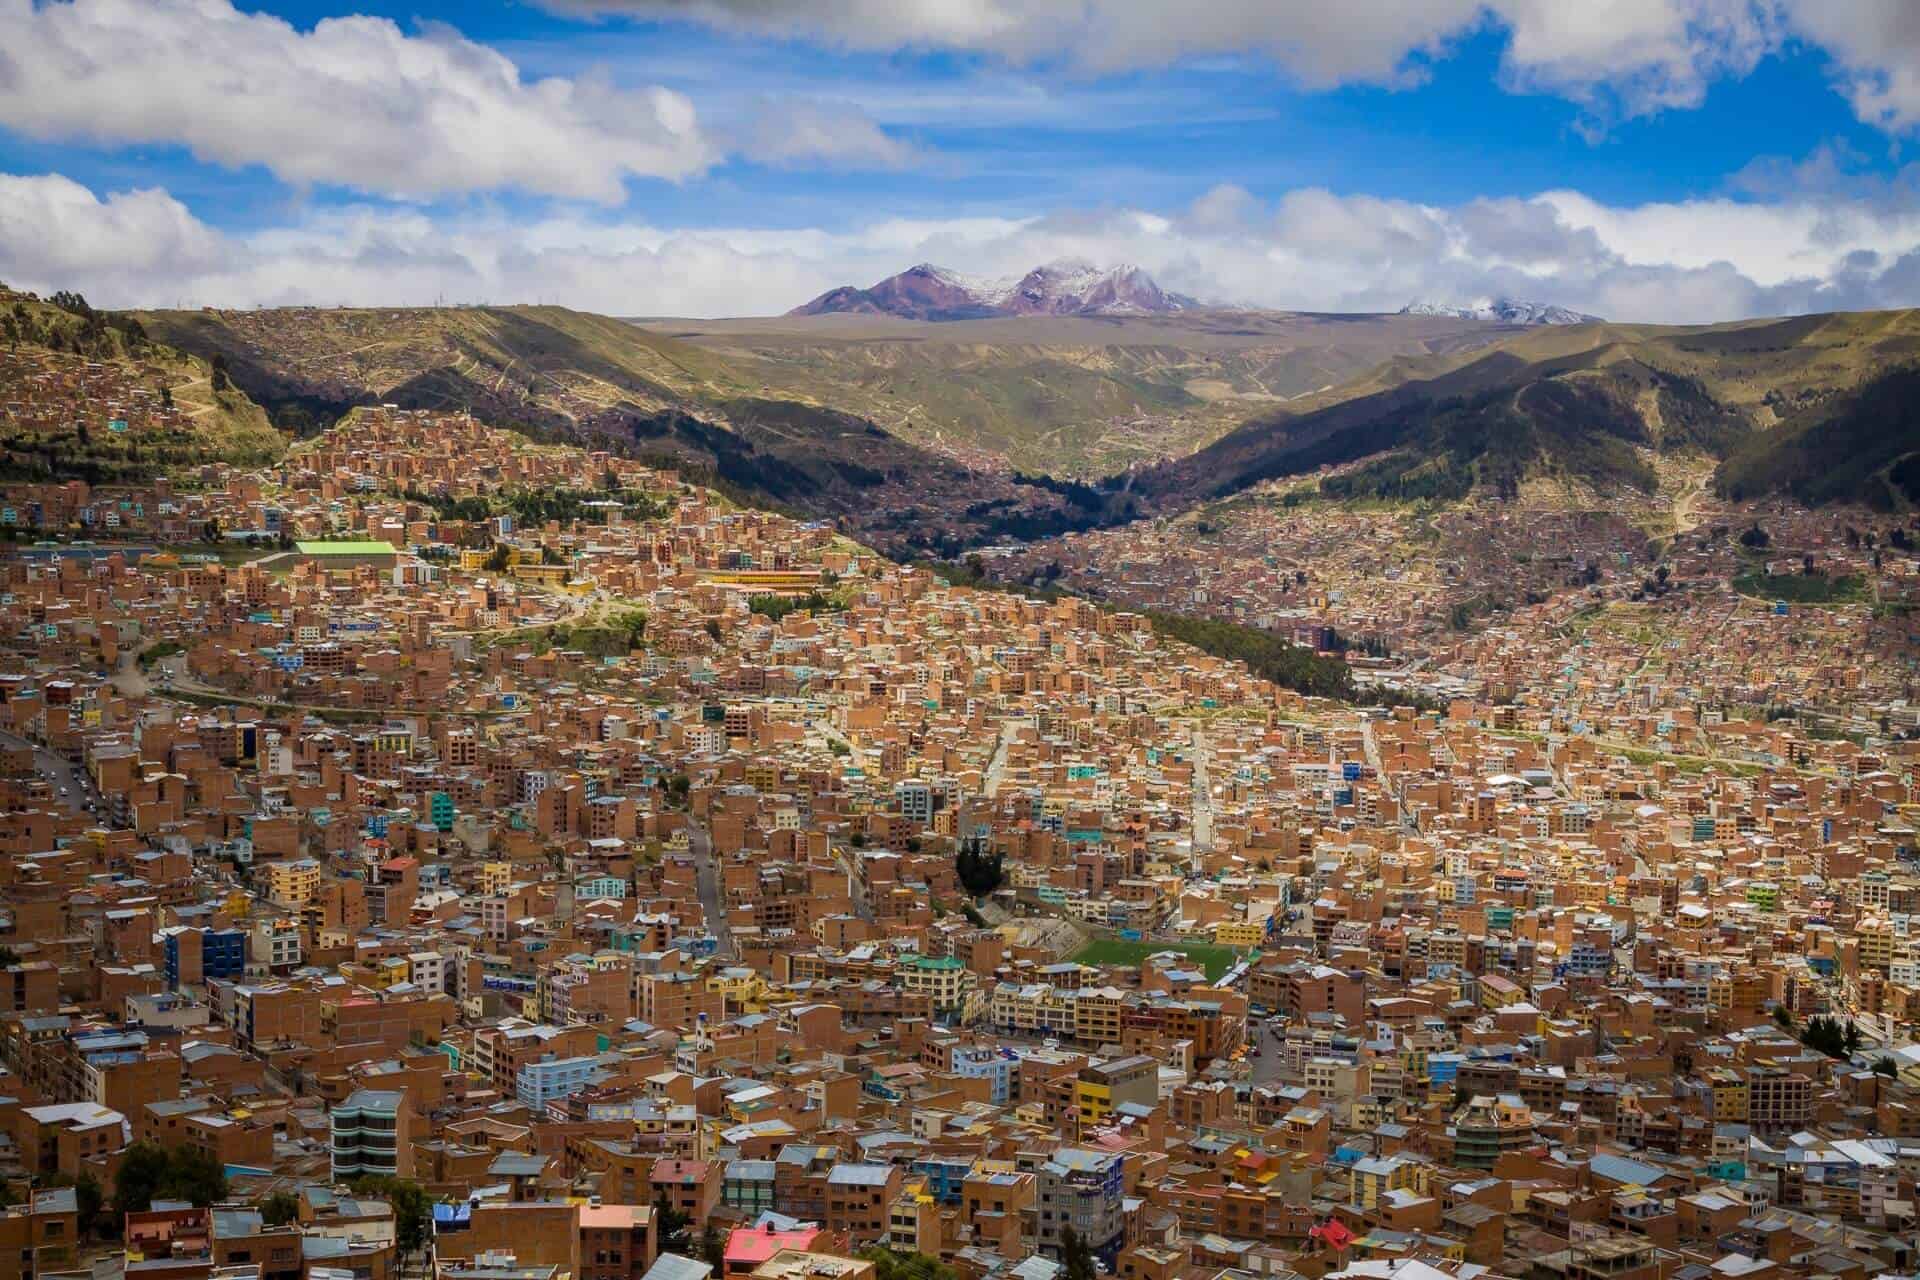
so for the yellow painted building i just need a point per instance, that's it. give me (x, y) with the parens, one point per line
(291, 884)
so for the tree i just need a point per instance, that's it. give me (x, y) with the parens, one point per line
(713, 628)
(8, 957)
(219, 377)
(90, 1200)
(713, 1247)
(978, 871)
(888, 1265)
(671, 1221)
(1830, 1037)
(1077, 1256)
(279, 1208)
(1756, 538)
(1884, 1065)
(412, 1209)
(149, 1172)
(499, 558)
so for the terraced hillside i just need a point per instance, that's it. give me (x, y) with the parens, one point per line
(87, 395)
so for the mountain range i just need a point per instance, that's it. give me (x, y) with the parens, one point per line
(901, 435)
(1502, 311)
(1069, 287)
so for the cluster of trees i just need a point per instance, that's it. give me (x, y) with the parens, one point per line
(978, 871)
(1852, 448)
(1396, 478)
(775, 607)
(1831, 1036)
(537, 506)
(676, 1227)
(150, 1172)
(1268, 656)
(888, 1265)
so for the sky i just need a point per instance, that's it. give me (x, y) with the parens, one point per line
(1645, 160)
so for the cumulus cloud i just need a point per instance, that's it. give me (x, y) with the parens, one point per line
(1615, 58)
(1692, 261)
(355, 101)
(1633, 57)
(803, 132)
(1875, 46)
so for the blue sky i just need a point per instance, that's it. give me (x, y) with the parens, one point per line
(1697, 158)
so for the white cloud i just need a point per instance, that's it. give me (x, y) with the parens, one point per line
(355, 101)
(1614, 58)
(1319, 43)
(1875, 46)
(53, 229)
(1633, 57)
(1311, 250)
(804, 132)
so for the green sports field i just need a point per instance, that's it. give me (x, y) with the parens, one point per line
(1215, 960)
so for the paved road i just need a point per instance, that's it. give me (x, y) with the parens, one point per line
(835, 736)
(997, 766)
(71, 785)
(861, 907)
(706, 875)
(1202, 794)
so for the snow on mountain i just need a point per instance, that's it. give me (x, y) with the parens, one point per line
(1501, 311)
(1069, 287)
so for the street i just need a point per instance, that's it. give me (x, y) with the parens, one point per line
(706, 874)
(1202, 794)
(997, 766)
(71, 785)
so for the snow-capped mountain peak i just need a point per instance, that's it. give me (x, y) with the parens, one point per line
(1068, 286)
(1501, 311)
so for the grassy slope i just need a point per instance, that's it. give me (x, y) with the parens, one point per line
(1591, 402)
(565, 376)
(1860, 446)
(1061, 395)
(224, 426)
(1064, 395)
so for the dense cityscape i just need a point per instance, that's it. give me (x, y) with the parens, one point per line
(443, 849)
(959, 640)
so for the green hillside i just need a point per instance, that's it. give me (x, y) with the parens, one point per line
(566, 376)
(1589, 403)
(90, 395)
(1863, 446)
(1065, 395)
